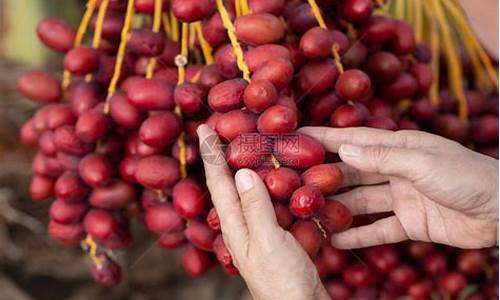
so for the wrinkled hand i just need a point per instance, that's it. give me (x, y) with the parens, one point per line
(270, 260)
(438, 190)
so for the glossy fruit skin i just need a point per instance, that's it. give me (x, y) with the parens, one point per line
(308, 236)
(163, 219)
(335, 216)
(227, 95)
(358, 275)
(316, 43)
(117, 194)
(210, 76)
(150, 94)
(123, 113)
(248, 150)
(334, 260)
(195, 261)
(404, 86)
(423, 76)
(278, 71)
(39, 86)
(200, 235)
(353, 85)
(70, 188)
(95, 170)
(236, 122)
(451, 127)
(420, 289)
(84, 96)
(301, 19)
(189, 198)
(259, 95)
(274, 7)
(281, 183)
(214, 31)
(67, 234)
(190, 97)
(67, 213)
(435, 264)
(381, 123)
(213, 219)
(403, 275)
(146, 42)
(277, 119)
(423, 111)
(56, 34)
(108, 274)
(452, 283)
(258, 56)
(306, 201)
(157, 172)
(225, 60)
(82, 60)
(193, 10)
(404, 40)
(356, 56)
(322, 106)
(160, 130)
(92, 126)
(383, 258)
(298, 151)
(338, 290)
(327, 178)
(171, 240)
(148, 6)
(378, 30)
(283, 216)
(259, 29)
(356, 11)
(316, 77)
(471, 262)
(348, 115)
(41, 187)
(223, 255)
(384, 66)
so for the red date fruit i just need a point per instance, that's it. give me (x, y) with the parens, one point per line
(327, 178)
(193, 10)
(67, 234)
(298, 151)
(316, 43)
(148, 6)
(117, 194)
(308, 236)
(274, 7)
(226, 62)
(435, 264)
(171, 240)
(404, 40)
(423, 111)
(337, 289)
(128, 167)
(359, 275)
(160, 130)
(92, 126)
(27, 134)
(321, 107)
(223, 255)
(67, 213)
(248, 150)
(420, 289)
(56, 34)
(306, 201)
(214, 31)
(378, 30)
(334, 260)
(335, 216)
(381, 123)
(210, 76)
(95, 170)
(227, 95)
(41, 187)
(84, 96)
(317, 77)
(452, 283)
(150, 94)
(200, 235)
(404, 86)
(283, 216)
(234, 123)
(195, 261)
(123, 113)
(451, 127)
(281, 183)
(353, 85)
(82, 60)
(192, 152)
(39, 86)
(356, 11)
(403, 276)
(163, 219)
(213, 220)
(157, 172)
(423, 76)
(383, 258)
(277, 119)
(259, 95)
(146, 43)
(189, 198)
(190, 97)
(301, 18)
(258, 56)
(70, 188)
(107, 274)
(484, 129)
(356, 56)
(471, 262)
(384, 66)
(278, 71)
(259, 28)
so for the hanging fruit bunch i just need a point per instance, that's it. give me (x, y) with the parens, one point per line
(116, 136)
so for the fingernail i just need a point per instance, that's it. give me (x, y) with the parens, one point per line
(350, 150)
(244, 180)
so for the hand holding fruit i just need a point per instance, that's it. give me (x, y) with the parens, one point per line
(438, 190)
(265, 254)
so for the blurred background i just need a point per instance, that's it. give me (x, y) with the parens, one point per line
(32, 266)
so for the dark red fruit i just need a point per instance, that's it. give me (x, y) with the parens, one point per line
(95, 170)
(277, 119)
(308, 236)
(189, 198)
(359, 275)
(306, 201)
(195, 261)
(39, 86)
(298, 151)
(56, 34)
(157, 172)
(163, 219)
(82, 60)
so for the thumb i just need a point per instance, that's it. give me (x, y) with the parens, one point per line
(256, 204)
(389, 161)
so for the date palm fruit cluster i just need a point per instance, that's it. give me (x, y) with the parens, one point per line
(117, 144)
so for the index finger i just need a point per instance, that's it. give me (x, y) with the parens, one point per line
(222, 188)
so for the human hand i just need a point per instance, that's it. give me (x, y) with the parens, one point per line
(438, 190)
(270, 260)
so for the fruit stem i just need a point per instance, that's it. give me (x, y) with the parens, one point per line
(320, 227)
(417, 8)
(82, 29)
(174, 26)
(321, 22)
(166, 25)
(245, 9)
(90, 245)
(275, 162)
(205, 46)
(226, 20)
(96, 40)
(156, 28)
(121, 52)
(452, 58)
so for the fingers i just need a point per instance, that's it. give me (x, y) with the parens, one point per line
(355, 177)
(222, 189)
(384, 231)
(389, 161)
(367, 199)
(332, 138)
(256, 205)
